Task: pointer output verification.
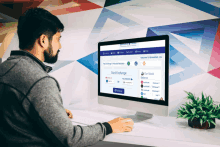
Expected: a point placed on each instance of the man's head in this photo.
(39, 33)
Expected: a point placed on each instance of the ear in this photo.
(43, 41)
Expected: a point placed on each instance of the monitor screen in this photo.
(135, 69)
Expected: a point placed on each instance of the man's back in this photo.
(31, 109)
(17, 76)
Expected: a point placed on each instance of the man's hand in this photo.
(120, 125)
(68, 112)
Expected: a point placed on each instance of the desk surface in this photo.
(157, 131)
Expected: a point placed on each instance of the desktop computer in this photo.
(134, 74)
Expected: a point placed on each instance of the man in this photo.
(31, 110)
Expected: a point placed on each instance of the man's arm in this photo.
(47, 110)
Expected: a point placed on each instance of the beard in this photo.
(48, 55)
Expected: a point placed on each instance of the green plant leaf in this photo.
(218, 109)
(208, 98)
(208, 123)
(199, 102)
(206, 101)
(204, 117)
(191, 104)
(193, 111)
(182, 109)
(212, 116)
(199, 107)
(179, 111)
(201, 122)
(185, 116)
(190, 96)
(204, 120)
(187, 105)
(192, 118)
(218, 116)
(201, 112)
(211, 101)
(188, 111)
(212, 122)
(188, 117)
(210, 112)
(179, 115)
(202, 96)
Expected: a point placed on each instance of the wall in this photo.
(194, 44)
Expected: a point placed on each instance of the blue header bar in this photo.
(154, 50)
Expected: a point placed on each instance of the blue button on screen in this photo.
(118, 90)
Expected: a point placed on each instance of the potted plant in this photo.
(201, 113)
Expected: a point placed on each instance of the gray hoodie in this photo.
(31, 108)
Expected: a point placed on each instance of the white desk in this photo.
(158, 131)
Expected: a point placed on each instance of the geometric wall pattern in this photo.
(215, 56)
(208, 6)
(113, 2)
(191, 48)
(91, 60)
(78, 6)
(194, 41)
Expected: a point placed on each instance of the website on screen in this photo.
(133, 69)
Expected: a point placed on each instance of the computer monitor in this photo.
(133, 74)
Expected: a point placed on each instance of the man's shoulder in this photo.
(22, 74)
(31, 69)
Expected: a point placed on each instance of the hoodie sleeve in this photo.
(44, 98)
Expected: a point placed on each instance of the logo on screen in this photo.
(135, 63)
(128, 63)
(144, 63)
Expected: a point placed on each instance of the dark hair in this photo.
(35, 22)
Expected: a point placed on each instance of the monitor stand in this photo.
(139, 116)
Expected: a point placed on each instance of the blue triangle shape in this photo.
(172, 62)
(59, 64)
(195, 34)
(151, 33)
(173, 51)
(91, 62)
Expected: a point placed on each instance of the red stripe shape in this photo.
(215, 55)
(84, 5)
(215, 72)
